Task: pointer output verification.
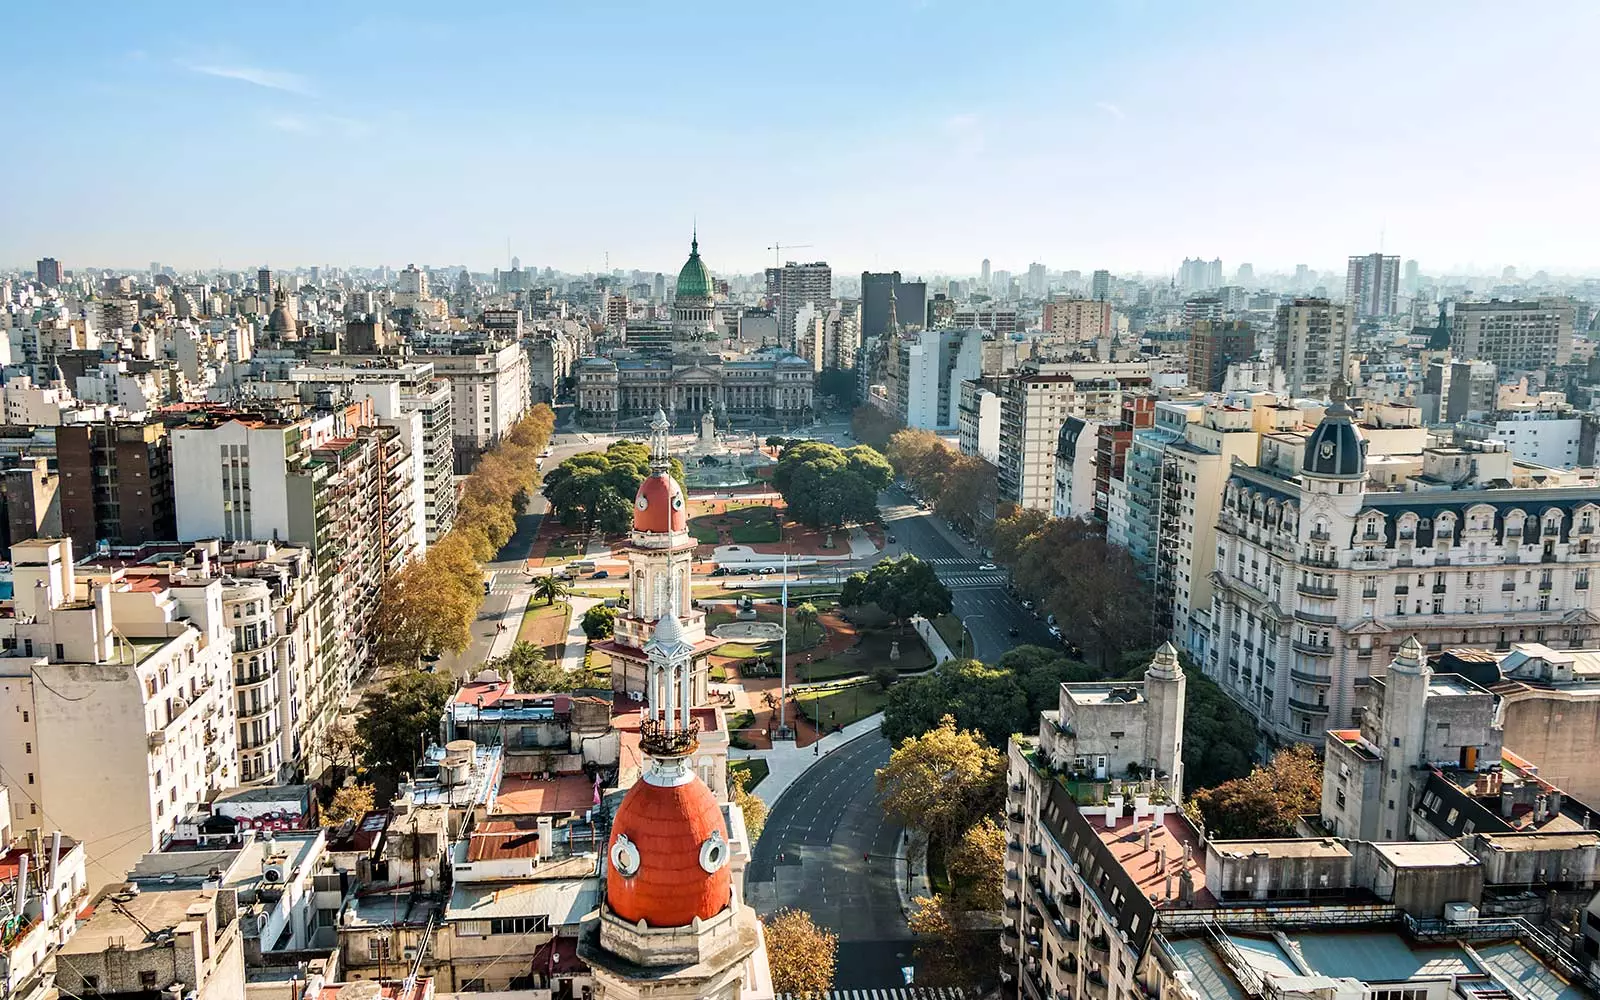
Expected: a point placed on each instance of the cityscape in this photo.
(890, 534)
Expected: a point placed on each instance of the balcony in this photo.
(1317, 589)
(1369, 592)
(1312, 648)
(1304, 678)
(1323, 562)
(1094, 985)
(1100, 943)
(1508, 586)
(1315, 618)
(1320, 536)
(1307, 707)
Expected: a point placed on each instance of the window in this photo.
(147, 979)
(377, 948)
(520, 925)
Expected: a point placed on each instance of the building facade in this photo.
(1313, 344)
(1514, 336)
(1372, 285)
(772, 385)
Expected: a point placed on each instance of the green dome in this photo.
(694, 281)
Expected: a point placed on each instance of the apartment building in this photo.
(135, 943)
(1514, 336)
(927, 380)
(119, 701)
(1075, 469)
(1035, 401)
(45, 887)
(268, 595)
(1372, 284)
(1076, 321)
(116, 483)
(1110, 891)
(1536, 434)
(1327, 555)
(800, 285)
(978, 419)
(1214, 344)
(490, 391)
(1313, 344)
(997, 320)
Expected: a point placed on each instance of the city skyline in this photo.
(201, 136)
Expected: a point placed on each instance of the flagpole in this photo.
(783, 656)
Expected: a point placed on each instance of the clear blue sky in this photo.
(917, 134)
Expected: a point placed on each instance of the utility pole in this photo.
(783, 655)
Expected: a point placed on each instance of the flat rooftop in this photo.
(1105, 692)
(1325, 847)
(1159, 884)
(1425, 854)
(1452, 685)
(566, 793)
(120, 918)
(1355, 743)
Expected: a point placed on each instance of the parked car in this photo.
(600, 574)
(893, 540)
(720, 571)
(1013, 631)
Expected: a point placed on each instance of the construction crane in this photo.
(779, 248)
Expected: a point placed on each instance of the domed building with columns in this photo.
(693, 302)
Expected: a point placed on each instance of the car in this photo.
(720, 571)
(769, 569)
(893, 540)
(1013, 631)
(987, 566)
(1055, 633)
(600, 574)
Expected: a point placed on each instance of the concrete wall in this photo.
(1556, 731)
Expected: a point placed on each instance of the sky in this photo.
(921, 135)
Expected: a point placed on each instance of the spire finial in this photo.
(660, 458)
(694, 239)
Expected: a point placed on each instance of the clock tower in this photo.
(660, 562)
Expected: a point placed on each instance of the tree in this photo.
(967, 489)
(1101, 604)
(595, 489)
(550, 587)
(884, 676)
(900, 587)
(752, 805)
(1266, 802)
(806, 615)
(871, 426)
(599, 622)
(1013, 531)
(947, 951)
(776, 441)
(942, 781)
(340, 746)
(977, 866)
(528, 668)
(349, 802)
(419, 612)
(826, 487)
(397, 718)
(800, 954)
(972, 695)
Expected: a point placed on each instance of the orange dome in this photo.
(659, 506)
(668, 854)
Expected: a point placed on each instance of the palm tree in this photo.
(806, 615)
(550, 587)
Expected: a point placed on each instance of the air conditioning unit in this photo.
(275, 873)
(409, 954)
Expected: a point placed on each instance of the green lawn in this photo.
(741, 650)
(718, 672)
(753, 770)
(704, 531)
(744, 720)
(841, 706)
(949, 629)
(755, 534)
(872, 651)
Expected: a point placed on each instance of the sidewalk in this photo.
(934, 641)
(786, 762)
(577, 641)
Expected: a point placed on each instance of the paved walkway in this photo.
(577, 641)
(786, 762)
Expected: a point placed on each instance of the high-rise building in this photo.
(489, 390)
(1197, 275)
(910, 298)
(984, 274)
(49, 272)
(1302, 278)
(264, 284)
(116, 483)
(1077, 320)
(1100, 286)
(1313, 344)
(932, 365)
(800, 285)
(1246, 275)
(1371, 283)
(1413, 277)
(1213, 346)
(1517, 337)
(1038, 280)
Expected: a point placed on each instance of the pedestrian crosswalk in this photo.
(950, 561)
(975, 580)
(908, 993)
(505, 581)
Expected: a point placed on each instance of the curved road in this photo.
(810, 857)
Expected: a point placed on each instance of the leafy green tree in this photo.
(901, 587)
(984, 699)
(825, 487)
(550, 587)
(599, 622)
(528, 667)
(396, 720)
(806, 615)
(593, 489)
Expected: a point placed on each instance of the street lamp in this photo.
(964, 632)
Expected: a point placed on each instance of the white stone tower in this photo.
(1164, 688)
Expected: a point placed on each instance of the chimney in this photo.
(1147, 838)
(547, 838)
(1508, 800)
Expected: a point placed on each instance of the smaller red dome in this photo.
(668, 855)
(659, 507)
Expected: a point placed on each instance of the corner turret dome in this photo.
(694, 281)
(1336, 449)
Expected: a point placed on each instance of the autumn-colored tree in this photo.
(1014, 530)
(948, 952)
(349, 802)
(800, 954)
(1266, 802)
(967, 487)
(977, 866)
(918, 456)
(943, 781)
(752, 805)
(421, 612)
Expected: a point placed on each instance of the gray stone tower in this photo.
(1400, 735)
(1164, 689)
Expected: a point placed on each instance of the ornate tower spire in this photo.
(893, 326)
(668, 731)
(660, 459)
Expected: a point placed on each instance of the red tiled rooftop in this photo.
(1126, 843)
(489, 691)
(568, 793)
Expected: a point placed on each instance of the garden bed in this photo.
(753, 769)
(545, 625)
(841, 706)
